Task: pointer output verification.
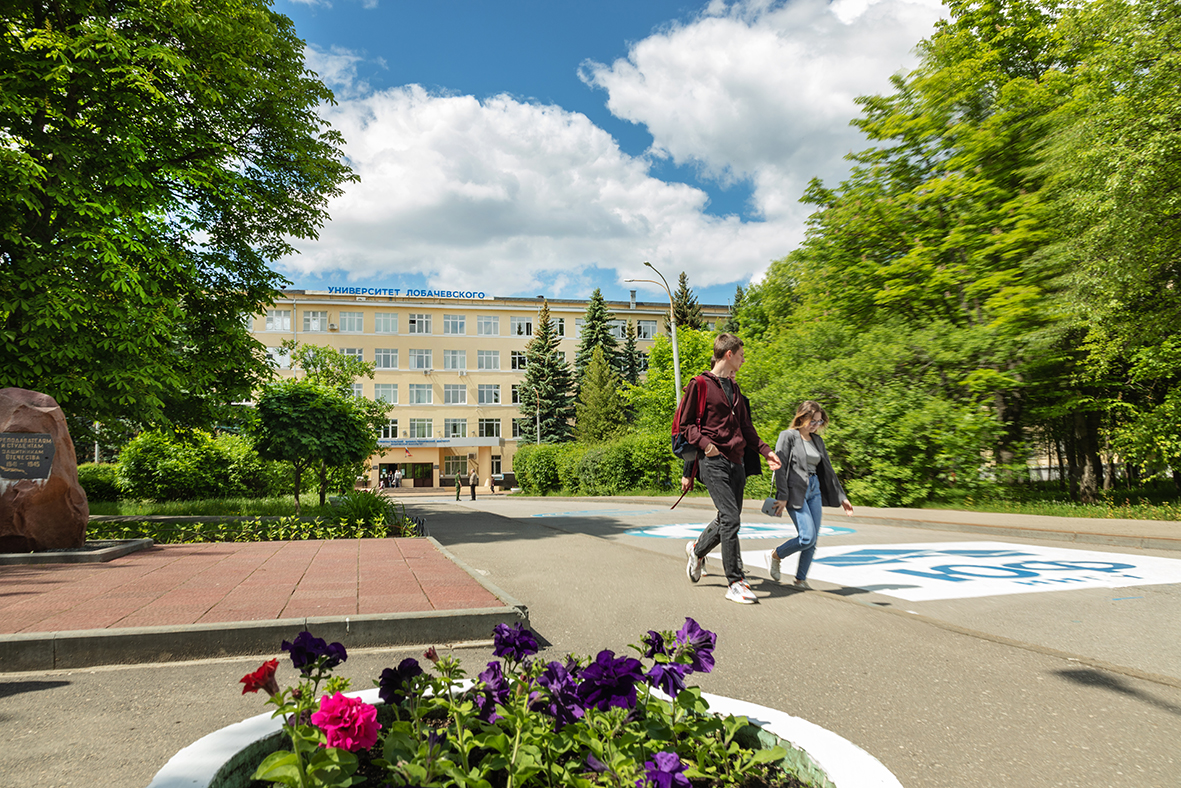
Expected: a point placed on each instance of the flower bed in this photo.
(614, 720)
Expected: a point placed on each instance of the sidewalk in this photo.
(189, 601)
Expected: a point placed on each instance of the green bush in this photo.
(536, 468)
(570, 470)
(161, 467)
(99, 481)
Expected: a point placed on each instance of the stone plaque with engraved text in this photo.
(25, 455)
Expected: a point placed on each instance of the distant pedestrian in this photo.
(473, 480)
(458, 485)
(398, 477)
(804, 483)
(722, 435)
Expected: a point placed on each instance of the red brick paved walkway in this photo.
(170, 585)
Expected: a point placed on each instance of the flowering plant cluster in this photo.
(615, 720)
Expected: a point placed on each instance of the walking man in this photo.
(473, 480)
(724, 433)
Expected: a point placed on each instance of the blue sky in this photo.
(525, 147)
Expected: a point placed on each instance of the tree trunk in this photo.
(1087, 458)
(1072, 463)
(323, 481)
(298, 473)
(1109, 474)
(1177, 480)
(1061, 463)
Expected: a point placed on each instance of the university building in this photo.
(449, 365)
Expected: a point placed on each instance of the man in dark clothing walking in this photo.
(722, 437)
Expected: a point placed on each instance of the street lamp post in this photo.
(672, 321)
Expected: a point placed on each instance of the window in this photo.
(390, 431)
(386, 323)
(487, 359)
(454, 324)
(278, 320)
(421, 394)
(643, 362)
(352, 321)
(279, 359)
(489, 394)
(578, 321)
(517, 424)
(454, 465)
(618, 328)
(496, 457)
(516, 394)
(421, 428)
(454, 394)
(488, 325)
(358, 390)
(315, 321)
(419, 324)
(520, 326)
(646, 329)
(386, 392)
(354, 352)
(247, 321)
(559, 327)
(454, 359)
(386, 357)
(454, 428)
(489, 428)
(518, 358)
(420, 359)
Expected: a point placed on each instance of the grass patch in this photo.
(279, 506)
(1107, 509)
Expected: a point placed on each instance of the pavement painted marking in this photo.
(749, 531)
(961, 570)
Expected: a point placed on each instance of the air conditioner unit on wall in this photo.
(332, 327)
(462, 372)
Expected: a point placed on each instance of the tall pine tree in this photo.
(545, 392)
(685, 306)
(733, 323)
(631, 361)
(601, 415)
(595, 332)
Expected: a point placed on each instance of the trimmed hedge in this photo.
(99, 480)
(160, 467)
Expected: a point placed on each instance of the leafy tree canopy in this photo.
(155, 157)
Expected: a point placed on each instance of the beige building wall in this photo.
(450, 365)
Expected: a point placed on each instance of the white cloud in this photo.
(522, 197)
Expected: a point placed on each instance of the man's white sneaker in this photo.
(741, 594)
(773, 565)
(693, 568)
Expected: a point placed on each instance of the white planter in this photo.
(844, 764)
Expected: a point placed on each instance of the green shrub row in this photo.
(283, 529)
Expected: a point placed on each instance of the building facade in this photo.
(449, 365)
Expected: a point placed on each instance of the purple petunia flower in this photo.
(513, 643)
(395, 682)
(561, 700)
(655, 643)
(665, 770)
(669, 677)
(307, 649)
(701, 643)
(610, 681)
(494, 689)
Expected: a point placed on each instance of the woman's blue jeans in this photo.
(807, 523)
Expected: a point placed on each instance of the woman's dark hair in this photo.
(805, 413)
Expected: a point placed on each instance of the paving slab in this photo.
(171, 602)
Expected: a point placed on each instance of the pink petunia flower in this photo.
(349, 723)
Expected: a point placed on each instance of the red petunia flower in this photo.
(262, 679)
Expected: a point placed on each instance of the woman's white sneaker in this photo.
(773, 561)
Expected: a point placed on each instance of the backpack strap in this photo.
(700, 381)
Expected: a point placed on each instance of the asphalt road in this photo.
(1073, 687)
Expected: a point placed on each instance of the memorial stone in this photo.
(42, 505)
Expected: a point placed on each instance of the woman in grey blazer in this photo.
(804, 483)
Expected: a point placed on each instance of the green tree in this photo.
(338, 371)
(155, 157)
(631, 359)
(595, 332)
(601, 415)
(304, 423)
(685, 307)
(545, 393)
(654, 400)
(733, 322)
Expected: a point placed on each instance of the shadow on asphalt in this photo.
(1089, 677)
(10, 688)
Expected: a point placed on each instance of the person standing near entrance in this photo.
(458, 485)
(473, 480)
(397, 477)
(804, 484)
(724, 433)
